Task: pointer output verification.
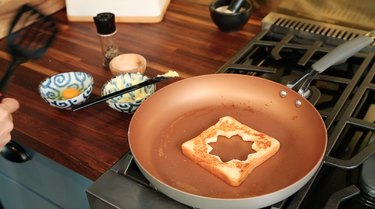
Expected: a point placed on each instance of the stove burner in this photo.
(367, 179)
(367, 200)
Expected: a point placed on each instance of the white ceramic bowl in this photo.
(129, 102)
(51, 88)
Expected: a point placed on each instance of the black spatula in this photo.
(30, 35)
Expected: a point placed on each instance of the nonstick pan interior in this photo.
(182, 110)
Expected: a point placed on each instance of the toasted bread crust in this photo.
(233, 172)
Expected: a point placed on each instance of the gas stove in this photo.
(344, 95)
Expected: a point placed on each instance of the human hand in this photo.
(7, 107)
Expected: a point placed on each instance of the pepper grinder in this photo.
(106, 28)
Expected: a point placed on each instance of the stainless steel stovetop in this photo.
(344, 95)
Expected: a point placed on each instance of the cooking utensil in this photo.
(158, 129)
(29, 36)
(196, 103)
(123, 91)
(235, 5)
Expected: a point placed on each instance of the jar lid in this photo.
(105, 23)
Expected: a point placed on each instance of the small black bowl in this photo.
(228, 22)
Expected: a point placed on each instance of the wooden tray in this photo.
(140, 11)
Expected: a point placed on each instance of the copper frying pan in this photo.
(182, 110)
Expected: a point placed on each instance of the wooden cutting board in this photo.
(8, 9)
(139, 11)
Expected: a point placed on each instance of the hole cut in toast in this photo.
(235, 171)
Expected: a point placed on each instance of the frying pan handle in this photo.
(337, 55)
(343, 52)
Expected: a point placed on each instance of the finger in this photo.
(10, 105)
(7, 126)
(4, 140)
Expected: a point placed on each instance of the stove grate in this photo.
(285, 22)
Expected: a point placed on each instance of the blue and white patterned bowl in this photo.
(51, 88)
(129, 102)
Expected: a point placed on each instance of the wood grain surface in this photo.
(8, 9)
(91, 140)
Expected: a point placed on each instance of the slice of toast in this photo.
(233, 172)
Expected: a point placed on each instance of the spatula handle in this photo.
(6, 77)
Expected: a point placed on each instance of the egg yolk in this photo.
(70, 93)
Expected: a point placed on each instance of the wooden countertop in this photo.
(91, 140)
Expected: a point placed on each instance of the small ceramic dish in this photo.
(66, 89)
(128, 63)
(129, 102)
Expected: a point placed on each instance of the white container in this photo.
(147, 11)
